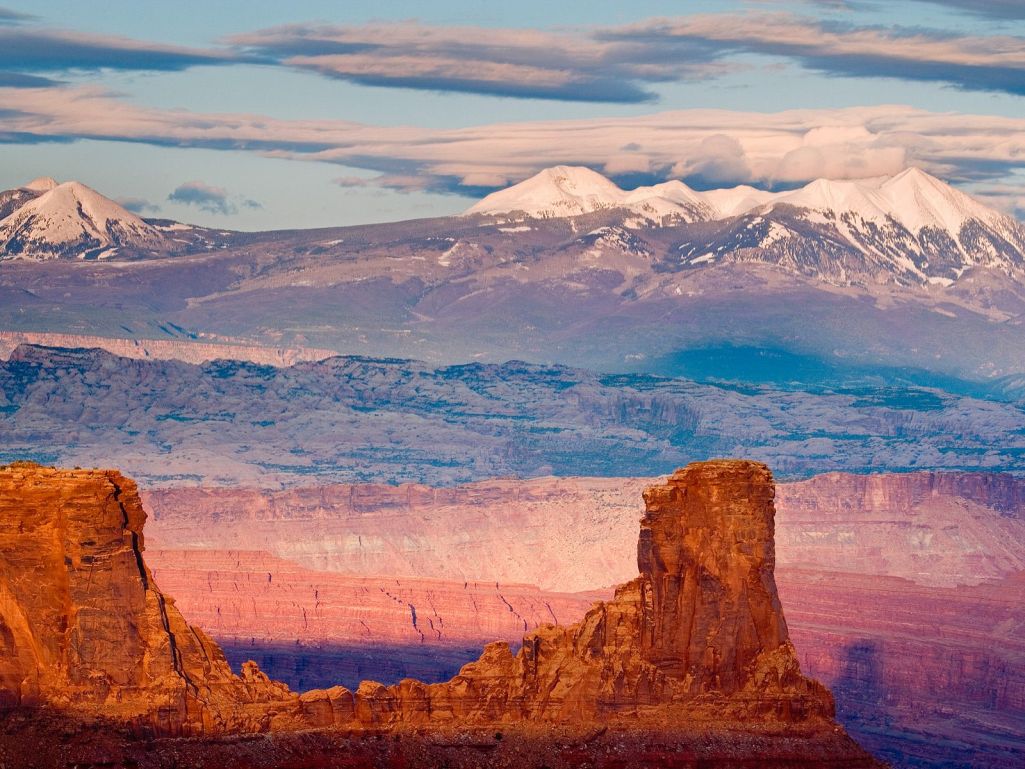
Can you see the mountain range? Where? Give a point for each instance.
(897, 279)
(908, 228)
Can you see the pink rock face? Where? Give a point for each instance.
(563, 535)
(244, 595)
(574, 534)
(940, 529)
(924, 676)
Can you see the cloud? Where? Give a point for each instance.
(206, 197)
(7, 16)
(138, 205)
(523, 63)
(992, 9)
(623, 64)
(1006, 197)
(704, 147)
(26, 49)
(973, 62)
(21, 80)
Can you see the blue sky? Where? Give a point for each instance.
(257, 115)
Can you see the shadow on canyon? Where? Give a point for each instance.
(321, 666)
(873, 709)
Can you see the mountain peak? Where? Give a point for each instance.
(554, 192)
(562, 191)
(922, 200)
(71, 218)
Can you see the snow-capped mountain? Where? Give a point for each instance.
(908, 228)
(46, 219)
(573, 190)
(71, 219)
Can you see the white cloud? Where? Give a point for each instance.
(714, 145)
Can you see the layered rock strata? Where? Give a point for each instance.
(573, 534)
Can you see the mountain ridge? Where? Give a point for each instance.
(569, 190)
(909, 227)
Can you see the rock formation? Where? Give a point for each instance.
(695, 645)
(699, 634)
(83, 626)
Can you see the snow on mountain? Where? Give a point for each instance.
(911, 227)
(672, 199)
(918, 200)
(71, 219)
(912, 198)
(554, 192)
(574, 190)
(736, 200)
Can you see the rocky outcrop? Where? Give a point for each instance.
(83, 626)
(698, 635)
(698, 639)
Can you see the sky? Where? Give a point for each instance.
(268, 115)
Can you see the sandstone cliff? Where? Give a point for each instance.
(875, 572)
(83, 626)
(695, 646)
(699, 635)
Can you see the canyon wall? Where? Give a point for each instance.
(573, 534)
(923, 676)
(316, 629)
(699, 636)
(83, 626)
(877, 573)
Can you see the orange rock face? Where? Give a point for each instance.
(694, 646)
(82, 624)
(698, 635)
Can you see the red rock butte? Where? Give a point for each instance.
(697, 640)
